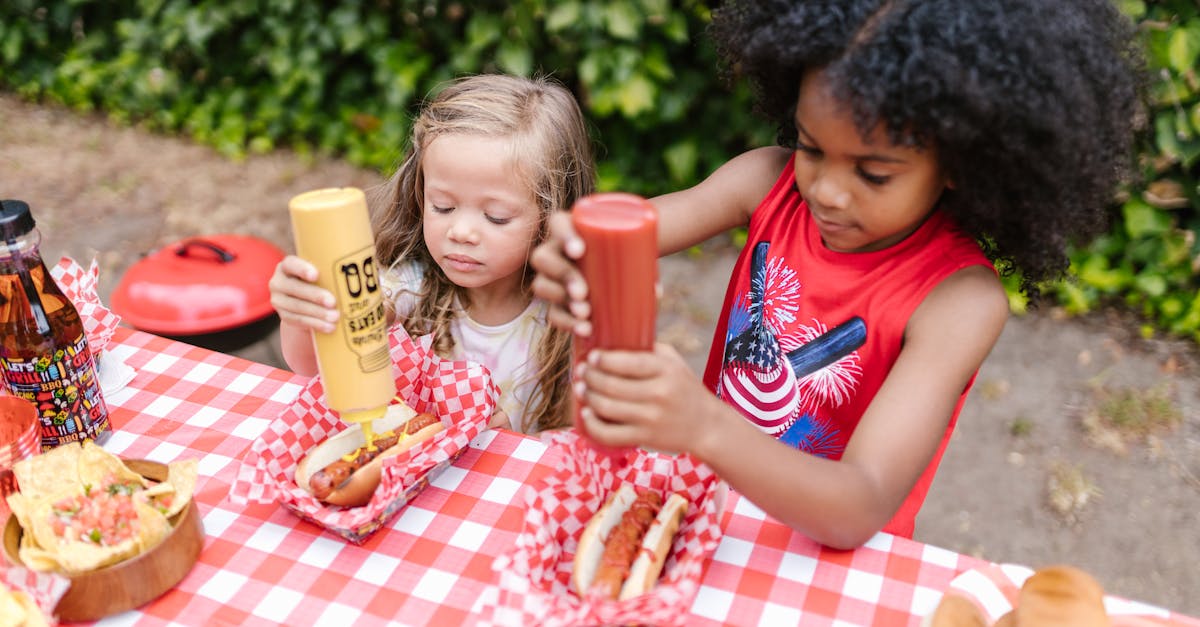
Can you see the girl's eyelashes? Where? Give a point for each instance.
(812, 152)
(873, 179)
(499, 221)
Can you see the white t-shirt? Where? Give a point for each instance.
(505, 349)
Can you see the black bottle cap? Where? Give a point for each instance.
(15, 219)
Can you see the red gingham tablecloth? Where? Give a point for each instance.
(261, 565)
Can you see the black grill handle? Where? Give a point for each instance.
(223, 255)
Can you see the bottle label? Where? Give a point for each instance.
(364, 324)
(66, 391)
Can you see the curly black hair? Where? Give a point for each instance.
(1032, 107)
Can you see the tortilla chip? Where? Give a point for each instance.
(18, 609)
(39, 531)
(97, 466)
(159, 490)
(35, 557)
(21, 507)
(33, 614)
(79, 557)
(152, 526)
(182, 475)
(74, 470)
(12, 612)
(54, 471)
(71, 556)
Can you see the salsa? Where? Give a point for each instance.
(105, 516)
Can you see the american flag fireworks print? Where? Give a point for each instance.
(779, 377)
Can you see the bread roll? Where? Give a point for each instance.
(1061, 596)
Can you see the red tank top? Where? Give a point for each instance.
(807, 335)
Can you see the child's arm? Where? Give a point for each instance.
(654, 400)
(722, 201)
(303, 307)
(727, 198)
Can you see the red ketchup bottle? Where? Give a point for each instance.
(620, 264)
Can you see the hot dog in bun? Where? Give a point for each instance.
(626, 543)
(343, 470)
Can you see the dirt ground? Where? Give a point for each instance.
(1035, 473)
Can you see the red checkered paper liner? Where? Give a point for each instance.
(44, 588)
(535, 575)
(79, 285)
(995, 589)
(460, 393)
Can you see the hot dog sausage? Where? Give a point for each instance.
(331, 477)
(622, 545)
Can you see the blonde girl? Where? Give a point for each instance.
(490, 158)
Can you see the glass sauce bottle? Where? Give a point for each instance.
(44, 355)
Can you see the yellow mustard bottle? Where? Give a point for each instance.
(332, 231)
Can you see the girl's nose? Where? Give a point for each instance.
(462, 230)
(827, 191)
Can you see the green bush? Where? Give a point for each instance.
(344, 77)
(1150, 261)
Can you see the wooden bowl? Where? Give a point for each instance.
(135, 581)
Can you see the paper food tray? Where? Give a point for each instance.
(535, 575)
(460, 393)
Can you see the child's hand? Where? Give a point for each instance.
(559, 281)
(298, 300)
(499, 420)
(650, 399)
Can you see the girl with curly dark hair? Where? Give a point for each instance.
(927, 142)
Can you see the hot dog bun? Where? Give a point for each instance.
(591, 542)
(1059, 596)
(362, 483)
(955, 610)
(654, 545)
(1064, 596)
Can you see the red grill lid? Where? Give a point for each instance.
(199, 285)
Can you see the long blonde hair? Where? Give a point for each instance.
(552, 153)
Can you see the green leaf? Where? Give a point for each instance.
(1171, 307)
(563, 15)
(1152, 285)
(1177, 247)
(681, 158)
(1191, 320)
(658, 8)
(515, 58)
(1075, 301)
(482, 30)
(1133, 9)
(636, 95)
(1095, 272)
(1144, 220)
(1165, 137)
(1184, 47)
(590, 68)
(12, 45)
(676, 28)
(623, 20)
